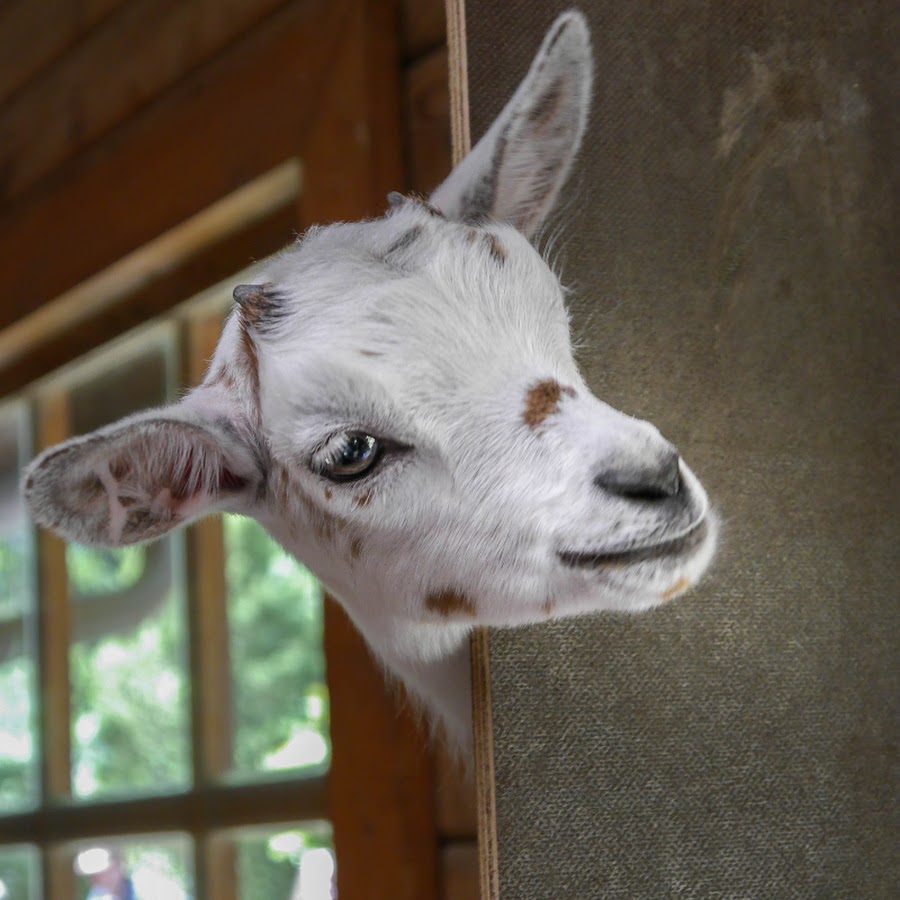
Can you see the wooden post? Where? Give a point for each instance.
(209, 650)
(381, 793)
(54, 617)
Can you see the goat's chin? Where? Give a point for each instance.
(646, 581)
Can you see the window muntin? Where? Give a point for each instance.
(150, 657)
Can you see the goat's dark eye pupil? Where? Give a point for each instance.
(357, 455)
(357, 450)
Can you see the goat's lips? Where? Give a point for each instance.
(681, 546)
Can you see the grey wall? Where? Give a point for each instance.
(731, 237)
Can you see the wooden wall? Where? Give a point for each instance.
(108, 113)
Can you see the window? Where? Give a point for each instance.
(183, 741)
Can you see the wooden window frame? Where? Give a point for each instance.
(317, 81)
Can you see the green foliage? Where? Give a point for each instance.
(18, 867)
(131, 693)
(130, 708)
(15, 581)
(275, 613)
(17, 725)
(96, 570)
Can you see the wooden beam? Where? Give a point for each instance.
(209, 645)
(427, 121)
(54, 626)
(198, 811)
(255, 221)
(457, 816)
(232, 120)
(122, 65)
(33, 35)
(459, 871)
(424, 27)
(212, 702)
(381, 801)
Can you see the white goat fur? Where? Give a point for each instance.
(517, 497)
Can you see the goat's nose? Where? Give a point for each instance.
(655, 481)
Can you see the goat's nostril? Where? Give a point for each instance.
(657, 483)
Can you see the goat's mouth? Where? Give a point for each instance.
(676, 548)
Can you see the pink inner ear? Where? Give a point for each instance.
(199, 474)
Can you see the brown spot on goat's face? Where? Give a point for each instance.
(356, 548)
(328, 494)
(363, 500)
(543, 401)
(450, 603)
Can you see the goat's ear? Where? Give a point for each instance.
(516, 170)
(145, 475)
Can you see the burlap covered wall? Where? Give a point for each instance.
(729, 236)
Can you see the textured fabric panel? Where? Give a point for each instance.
(729, 236)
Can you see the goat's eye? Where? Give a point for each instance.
(355, 454)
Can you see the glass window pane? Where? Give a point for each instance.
(18, 734)
(19, 873)
(153, 867)
(277, 656)
(130, 690)
(285, 862)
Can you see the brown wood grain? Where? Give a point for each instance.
(33, 35)
(381, 792)
(54, 625)
(119, 67)
(424, 27)
(153, 298)
(196, 811)
(427, 121)
(459, 871)
(236, 117)
(212, 737)
(457, 817)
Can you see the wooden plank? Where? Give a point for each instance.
(427, 121)
(380, 791)
(215, 867)
(381, 800)
(424, 27)
(122, 65)
(234, 119)
(58, 873)
(197, 811)
(212, 707)
(457, 818)
(33, 35)
(147, 284)
(208, 635)
(54, 616)
(459, 871)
